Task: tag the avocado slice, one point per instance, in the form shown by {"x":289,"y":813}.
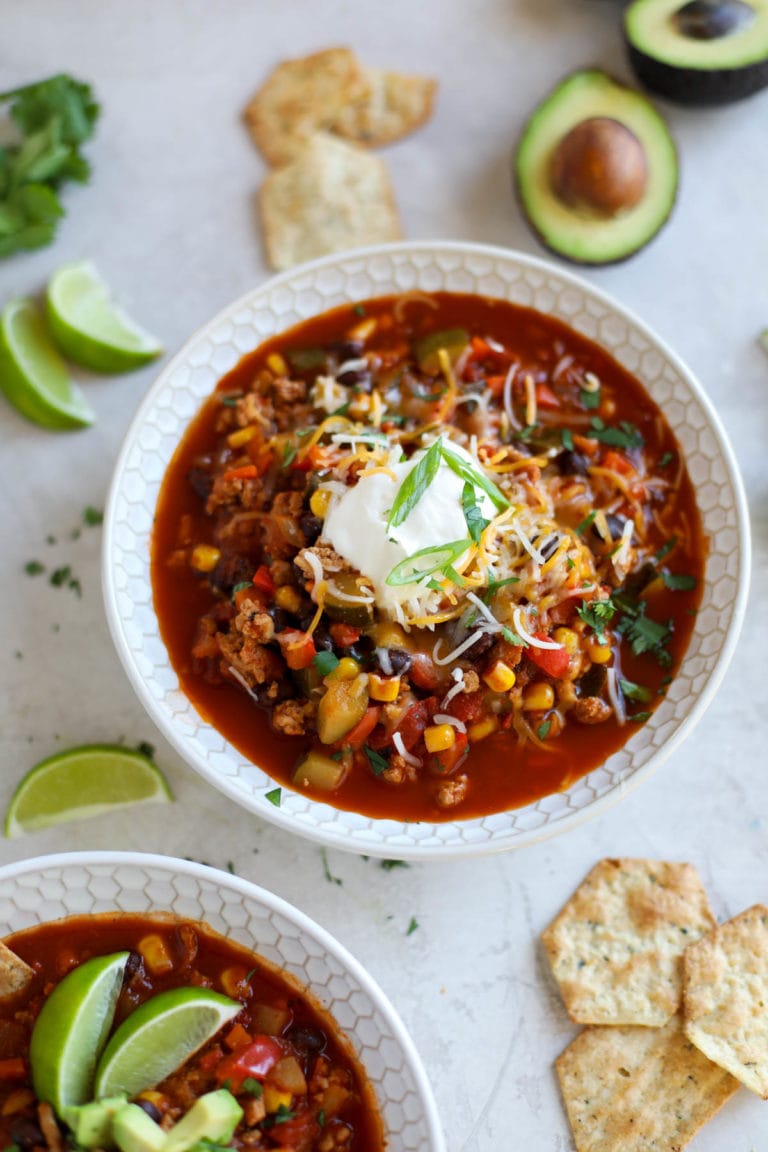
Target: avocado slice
{"x":604,"y":204}
{"x":214,"y":1116}
{"x":91,"y":1123}
{"x":134,"y":1131}
{"x":699,"y":51}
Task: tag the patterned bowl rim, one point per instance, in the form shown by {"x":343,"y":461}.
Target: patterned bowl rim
{"x":389,"y":833}
{"x":305,"y":925}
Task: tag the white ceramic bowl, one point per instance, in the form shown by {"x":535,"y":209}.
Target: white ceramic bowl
{"x":80,"y":883}
{"x":431,"y":266}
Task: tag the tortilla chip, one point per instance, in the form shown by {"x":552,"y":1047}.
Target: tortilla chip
{"x":725,"y":987}
{"x":333,"y":196}
{"x":301,"y":97}
{"x":15,"y":975}
{"x":616,"y":947}
{"x":393,"y":105}
{"x":639,"y":1089}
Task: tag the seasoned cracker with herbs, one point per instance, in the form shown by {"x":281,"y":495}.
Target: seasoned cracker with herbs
{"x":637,"y":1089}
{"x":725,"y":987}
{"x":616,"y":947}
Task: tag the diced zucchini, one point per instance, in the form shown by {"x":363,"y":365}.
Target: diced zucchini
{"x":453,"y":340}
{"x":346,"y":612}
{"x":316,"y":770}
{"x":341,"y":708}
{"x":305,"y":359}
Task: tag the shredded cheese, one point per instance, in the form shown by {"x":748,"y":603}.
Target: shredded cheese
{"x":524,"y":634}
{"x":446,"y":718}
{"x":414,"y":761}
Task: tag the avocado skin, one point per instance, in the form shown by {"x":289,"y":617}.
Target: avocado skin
{"x":695,"y":85}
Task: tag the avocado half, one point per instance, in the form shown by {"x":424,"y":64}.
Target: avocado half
{"x":576,"y":231}
{"x":699,"y":51}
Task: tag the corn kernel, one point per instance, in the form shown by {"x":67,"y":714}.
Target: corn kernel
{"x":319,"y":501}
{"x":362,"y":330}
{"x":599,"y":653}
{"x":500,"y":677}
{"x":233,"y":981}
{"x":346,"y":669}
{"x":274,"y":1098}
{"x":276,"y":364}
{"x":438,"y":737}
{"x":383,"y":688}
{"x":205,"y":557}
{"x":241,"y":436}
{"x":287,"y":597}
{"x":568,"y":638}
{"x":538,"y":697}
{"x":483,"y":729}
{"x":156,"y":954}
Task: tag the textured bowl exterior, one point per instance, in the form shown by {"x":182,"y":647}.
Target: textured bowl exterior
{"x":430,"y":266}
{"x":82,"y":883}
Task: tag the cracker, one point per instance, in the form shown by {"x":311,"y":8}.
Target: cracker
{"x":725,"y":990}
{"x":15,"y":974}
{"x":394,"y":104}
{"x":639,"y":1089}
{"x":616,"y":947}
{"x":300,"y":97}
{"x":333,"y":196}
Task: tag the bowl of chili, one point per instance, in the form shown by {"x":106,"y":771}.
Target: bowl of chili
{"x":312,"y":1051}
{"x":445,"y":550}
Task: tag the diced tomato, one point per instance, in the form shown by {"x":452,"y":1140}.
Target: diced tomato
{"x":545,"y":397}
{"x":496,"y":384}
{"x":415,"y":720}
{"x":246,"y":472}
{"x":261,"y":455}
{"x":345,"y":635}
{"x":297,"y":647}
{"x":423,"y":672}
{"x":312,"y":461}
{"x":552,"y":661}
{"x":13,"y":1068}
{"x":617,"y":462}
{"x":442,"y":763}
{"x":237,"y":1037}
{"x":263,"y":580}
{"x":256,"y":1060}
{"x":211,"y":1058}
{"x":468,"y":706}
{"x":297,"y":1134}
{"x":358,"y":735}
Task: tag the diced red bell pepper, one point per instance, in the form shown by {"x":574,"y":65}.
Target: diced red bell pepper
{"x":617,"y":463}
{"x":552,"y":661}
{"x":297,"y":647}
{"x":246,"y":472}
{"x":209,"y":1060}
{"x":263,"y":580}
{"x":545,"y":397}
{"x":345,"y":635}
{"x":468,"y":706}
{"x":256,"y":1060}
{"x":445,"y":762}
{"x":358,"y":735}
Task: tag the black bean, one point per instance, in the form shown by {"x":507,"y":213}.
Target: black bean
{"x":400,"y":661}
{"x":201,"y":482}
{"x":347,"y":349}
{"x":133,"y":965}
{"x":481,"y":646}
{"x":150,"y":1109}
{"x":615,"y":526}
{"x":306,"y":1038}
{"x":311,"y":527}
{"x":592,"y":682}
{"x":279,"y":617}
{"x":27,"y":1135}
{"x":571,"y":463}
{"x":359,"y":378}
{"x":323,"y":642}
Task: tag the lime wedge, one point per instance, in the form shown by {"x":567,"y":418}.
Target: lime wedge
{"x":159,"y":1037}
{"x":32,"y":373}
{"x":81,"y":782}
{"x":90,"y":328}
{"x":71,"y":1031}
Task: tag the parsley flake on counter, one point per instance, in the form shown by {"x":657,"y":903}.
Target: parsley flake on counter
{"x":412,"y":926}
{"x":327,"y":871}
{"x":275,"y":796}
{"x":93,"y":516}
{"x":34,"y":568}
{"x":52,"y":119}
{"x":388,"y":865}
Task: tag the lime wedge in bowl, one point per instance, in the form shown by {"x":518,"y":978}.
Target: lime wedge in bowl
{"x":33,"y":375}
{"x":72,"y":1028}
{"x":89,"y":327}
{"x":81,"y":782}
{"x":159,"y":1037}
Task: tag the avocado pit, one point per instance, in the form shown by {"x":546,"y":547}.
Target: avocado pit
{"x":599,"y":167}
{"x":711,"y":19}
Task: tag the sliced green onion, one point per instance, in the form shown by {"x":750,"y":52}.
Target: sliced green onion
{"x":414,"y":486}
{"x":465,"y":470}
{"x":408,"y":571}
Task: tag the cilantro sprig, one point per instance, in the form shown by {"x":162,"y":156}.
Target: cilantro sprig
{"x":598,"y":613}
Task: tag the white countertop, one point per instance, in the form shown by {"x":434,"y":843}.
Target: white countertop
{"x":170,"y":220}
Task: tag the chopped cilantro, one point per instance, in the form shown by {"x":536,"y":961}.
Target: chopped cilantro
{"x":678,"y":581}
{"x":325,"y":662}
{"x":646,"y":635}
{"x":327,"y":871}
{"x":239,"y":587}
{"x":494,"y":585}
{"x":321,"y":1118}
{"x":640,"y":717}
{"x":342,"y":409}
{"x":598,"y":613}
{"x":666,"y":459}
{"x":231,"y":868}
{"x":412,"y":926}
{"x":570,"y":563}
{"x":635,"y":691}
{"x":513,"y":638}
{"x":60,"y":576}
{"x":665,"y":549}
{"x":275,"y":796}
{"x":359,"y":310}
{"x":34,"y":568}
{"x":586,"y":523}
{"x":93,"y":516}
{"x":377,"y":762}
{"x":388,"y":865}
{"x":230,"y":399}
{"x":590,"y":399}
{"x":625,"y":436}
{"x":543,"y":729}
{"x":252,"y":1087}
{"x":566,"y":437}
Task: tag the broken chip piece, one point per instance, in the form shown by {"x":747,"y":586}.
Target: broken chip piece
{"x":632,"y":1089}
{"x":616,"y":947}
{"x":725,"y":987}
{"x":15,"y":974}
{"x":332,"y":196}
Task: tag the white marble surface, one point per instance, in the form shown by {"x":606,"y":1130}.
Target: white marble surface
{"x":170,"y":220}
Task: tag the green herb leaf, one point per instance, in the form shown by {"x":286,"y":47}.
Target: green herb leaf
{"x":239,"y":587}
{"x":543,"y":729}
{"x":388,"y":865}
{"x":666,"y":459}
{"x":441,"y":556}
{"x":415,"y":485}
{"x":377,"y":762}
{"x":475,"y":477}
{"x":476,"y":522}
{"x":34,"y":568}
{"x":412,"y":926}
{"x":326,"y":870}
{"x":635,"y":691}
{"x":597,"y":613}
{"x":230,"y":399}
{"x":665,"y":549}
{"x":566,"y":438}
{"x":678,"y":581}
{"x":640,"y":717}
{"x":275,"y":796}
{"x":495,"y":585}
{"x":252,"y":1087}
{"x":93,"y":516}
{"x":590,"y":399}
{"x":325,"y":662}
{"x":586,"y":523}
{"x":513,"y":638}
{"x":289,"y":455}
{"x":625,"y":436}
{"x":646,"y":635}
